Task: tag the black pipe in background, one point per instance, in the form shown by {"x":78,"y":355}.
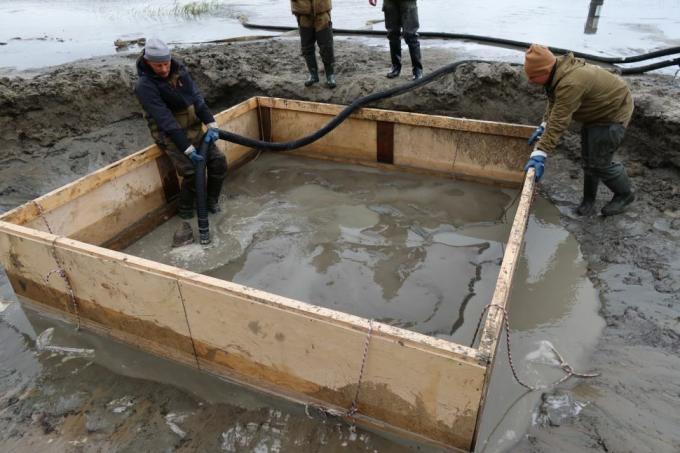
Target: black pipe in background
{"x":346,"y":112}
{"x":501,"y":42}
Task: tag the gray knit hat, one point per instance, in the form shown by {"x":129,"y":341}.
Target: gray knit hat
{"x":156,"y":51}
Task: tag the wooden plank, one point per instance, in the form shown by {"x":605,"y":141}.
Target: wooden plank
{"x":110,"y":288}
{"x":106,"y":210}
{"x":461,"y":152}
{"x":483,"y":179}
{"x":58,"y":197}
{"x":407,"y":118}
{"x":385,"y":142}
{"x":493,"y":324}
{"x":353,"y":139}
{"x":406,"y":384}
{"x":246,"y":124}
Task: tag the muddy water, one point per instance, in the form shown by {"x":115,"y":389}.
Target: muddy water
{"x":38,"y":33}
{"x":354,"y":239}
{"x":408,"y":250}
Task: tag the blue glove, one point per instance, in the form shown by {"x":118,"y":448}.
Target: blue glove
{"x":537,"y":134}
{"x":192,"y":154}
{"x":537,"y":161}
{"x":213,"y":134}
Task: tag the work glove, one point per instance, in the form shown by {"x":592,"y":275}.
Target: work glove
{"x":537,"y":134}
{"x":192,"y":154}
{"x":537,"y":161}
{"x":213,"y":134}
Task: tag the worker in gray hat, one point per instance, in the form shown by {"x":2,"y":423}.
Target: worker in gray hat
{"x":175,"y":112}
{"x":401,"y":17}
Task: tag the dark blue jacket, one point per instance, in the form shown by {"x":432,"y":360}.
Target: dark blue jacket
{"x":160,"y":98}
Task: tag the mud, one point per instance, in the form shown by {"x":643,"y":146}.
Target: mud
{"x":59,"y":123}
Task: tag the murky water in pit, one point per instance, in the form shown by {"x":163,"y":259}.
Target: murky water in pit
{"x":413,"y":251}
{"x":391,"y":247}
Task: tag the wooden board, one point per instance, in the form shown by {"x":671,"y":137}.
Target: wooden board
{"x":482,"y":151}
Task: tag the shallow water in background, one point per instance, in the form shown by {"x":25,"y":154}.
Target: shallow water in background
{"x":54,"y":32}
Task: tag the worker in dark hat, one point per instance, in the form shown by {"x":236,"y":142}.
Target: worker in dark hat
{"x":175,"y":112}
{"x":314,"y":23}
{"x":602,"y":103}
{"x":401,"y":17}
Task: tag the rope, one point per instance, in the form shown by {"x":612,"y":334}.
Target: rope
{"x":568,"y":370}
{"x":355,"y":404}
{"x":60,"y":268}
{"x":354,"y":408}
{"x":186,"y":317}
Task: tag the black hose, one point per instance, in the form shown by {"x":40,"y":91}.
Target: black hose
{"x":496,"y":41}
{"x":346,"y":112}
{"x":650,"y":67}
{"x":201,"y":196}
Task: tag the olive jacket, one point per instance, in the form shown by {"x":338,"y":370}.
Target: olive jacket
{"x":586,"y":93}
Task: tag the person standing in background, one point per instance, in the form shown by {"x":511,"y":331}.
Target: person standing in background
{"x":314,"y":23}
{"x":402,"y":16}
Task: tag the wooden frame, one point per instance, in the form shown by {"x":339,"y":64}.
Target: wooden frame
{"x":414,"y":385}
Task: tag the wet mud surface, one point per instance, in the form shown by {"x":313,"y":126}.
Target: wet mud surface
{"x":61,"y":123}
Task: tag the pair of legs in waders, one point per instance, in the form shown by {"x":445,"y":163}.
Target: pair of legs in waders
{"x":598,"y":144}
{"x":216,"y":165}
{"x":402,"y":16}
{"x":317,"y":29}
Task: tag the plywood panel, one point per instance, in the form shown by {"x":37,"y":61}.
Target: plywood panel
{"x":245,"y":123}
{"x":58,"y":197}
{"x":108,"y":209}
{"x":408,"y":384}
{"x":116,"y":291}
{"x":407,"y":118}
{"x":492,"y":157}
{"x":353,"y":139}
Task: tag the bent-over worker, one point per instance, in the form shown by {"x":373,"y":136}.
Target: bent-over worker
{"x":598,"y":99}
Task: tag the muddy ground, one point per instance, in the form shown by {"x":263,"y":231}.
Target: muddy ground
{"x":59,"y":123}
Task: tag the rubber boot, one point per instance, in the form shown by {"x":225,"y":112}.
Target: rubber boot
{"x":623,"y":194}
{"x":395,"y":55}
{"x":184,"y":235}
{"x":185,"y":200}
{"x":213,"y":189}
{"x":325,"y":40}
{"x":416,"y":59}
{"x":330,"y":76}
{"x":590,"y":184}
{"x":313,"y":70}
